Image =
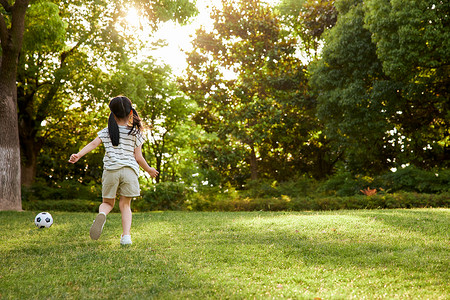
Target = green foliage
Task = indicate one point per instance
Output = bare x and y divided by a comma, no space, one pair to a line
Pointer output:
70,52
64,190
376,97
286,203
293,188
214,200
206,198
291,7
408,179
44,29
354,121
221,161
345,184
262,118
413,179
73,205
412,40
407,187
377,119
164,196
411,36
256,195
167,10
309,20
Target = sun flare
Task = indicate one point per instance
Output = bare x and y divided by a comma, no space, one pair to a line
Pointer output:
177,37
133,18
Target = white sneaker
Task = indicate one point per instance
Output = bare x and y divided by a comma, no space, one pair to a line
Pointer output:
125,240
97,227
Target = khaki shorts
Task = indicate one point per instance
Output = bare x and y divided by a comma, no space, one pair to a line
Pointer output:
122,181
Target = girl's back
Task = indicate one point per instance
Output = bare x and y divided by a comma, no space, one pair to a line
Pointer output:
122,155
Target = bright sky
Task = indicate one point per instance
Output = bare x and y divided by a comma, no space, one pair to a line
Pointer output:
179,37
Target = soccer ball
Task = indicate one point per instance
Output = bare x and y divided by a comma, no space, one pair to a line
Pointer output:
43,220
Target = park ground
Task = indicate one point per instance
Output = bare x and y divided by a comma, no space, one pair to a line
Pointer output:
346,254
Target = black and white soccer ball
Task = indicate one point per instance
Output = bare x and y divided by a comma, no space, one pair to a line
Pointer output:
43,220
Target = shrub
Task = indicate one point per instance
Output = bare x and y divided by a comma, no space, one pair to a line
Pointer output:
382,201
298,187
68,189
261,188
233,202
253,204
163,196
409,179
345,184
342,191
74,205
294,188
211,199
412,179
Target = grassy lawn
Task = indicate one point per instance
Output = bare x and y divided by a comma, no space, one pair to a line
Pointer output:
375,254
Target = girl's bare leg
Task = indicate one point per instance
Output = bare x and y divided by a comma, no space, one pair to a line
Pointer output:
106,206
125,210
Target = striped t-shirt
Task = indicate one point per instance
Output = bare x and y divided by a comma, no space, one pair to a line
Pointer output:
120,156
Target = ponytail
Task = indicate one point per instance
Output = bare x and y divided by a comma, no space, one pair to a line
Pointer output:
136,125
113,130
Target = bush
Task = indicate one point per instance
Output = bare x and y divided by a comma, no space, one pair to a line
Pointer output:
386,201
293,188
69,189
409,179
342,191
298,187
345,184
221,202
74,205
163,196
261,188
252,204
412,179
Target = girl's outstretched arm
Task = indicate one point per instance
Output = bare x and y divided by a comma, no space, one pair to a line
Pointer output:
88,148
143,163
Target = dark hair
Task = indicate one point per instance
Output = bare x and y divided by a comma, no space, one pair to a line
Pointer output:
121,108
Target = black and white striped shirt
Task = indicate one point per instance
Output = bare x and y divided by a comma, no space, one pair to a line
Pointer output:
120,156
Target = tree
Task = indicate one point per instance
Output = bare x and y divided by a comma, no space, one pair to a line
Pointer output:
382,84
36,87
89,29
78,34
12,26
309,20
250,88
412,42
343,79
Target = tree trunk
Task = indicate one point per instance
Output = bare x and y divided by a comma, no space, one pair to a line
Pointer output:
10,196
29,156
11,43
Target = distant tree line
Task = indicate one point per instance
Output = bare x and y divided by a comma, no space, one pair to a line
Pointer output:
307,88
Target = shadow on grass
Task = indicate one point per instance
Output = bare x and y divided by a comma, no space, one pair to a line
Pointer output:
381,246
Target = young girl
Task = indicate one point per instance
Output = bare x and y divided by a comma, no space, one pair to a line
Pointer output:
123,156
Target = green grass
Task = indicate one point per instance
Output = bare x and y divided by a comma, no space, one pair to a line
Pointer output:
375,254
